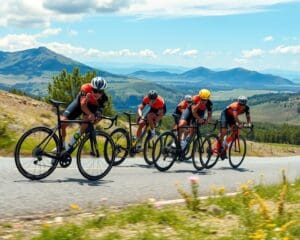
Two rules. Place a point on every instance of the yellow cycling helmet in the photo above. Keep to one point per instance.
(204, 94)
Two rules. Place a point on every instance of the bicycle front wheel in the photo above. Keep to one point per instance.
(33, 153)
(95, 159)
(149, 147)
(121, 140)
(237, 151)
(165, 151)
(210, 154)
(197, 154)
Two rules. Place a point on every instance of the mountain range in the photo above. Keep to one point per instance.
(31, 70)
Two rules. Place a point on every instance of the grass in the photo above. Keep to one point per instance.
(257, 212)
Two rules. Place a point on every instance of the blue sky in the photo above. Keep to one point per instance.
(216, 34)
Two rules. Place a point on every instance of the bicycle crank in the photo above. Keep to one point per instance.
(65, 160)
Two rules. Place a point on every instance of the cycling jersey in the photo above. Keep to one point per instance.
(74, 109)
(181, 107)
(236, 107)
(203, 105)
(227, 116)
(158, 104)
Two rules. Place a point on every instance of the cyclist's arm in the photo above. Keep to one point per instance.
(236, 118)
(84, 103)
(140, 110)
(194, 112)
(209, 116)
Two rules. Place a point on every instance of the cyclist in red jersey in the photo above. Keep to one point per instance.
(229, 117)
(184, 104)
(89, 102)
(195, 112)
(154, 115)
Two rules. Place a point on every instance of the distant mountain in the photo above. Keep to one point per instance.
(31, 70)
(220, 80)
(37, 62)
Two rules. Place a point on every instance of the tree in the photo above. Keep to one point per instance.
(65, 87)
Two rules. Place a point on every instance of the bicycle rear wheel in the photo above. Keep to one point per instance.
(33, 153)
(149, 147)
(237, 151)
(165, 151)
(121, 140)
(210, 150)
(95, 160)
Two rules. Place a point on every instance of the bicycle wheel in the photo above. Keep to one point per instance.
(165, 151)
(210, 151)
(237, 151)
(120, 138)
(148, 148)
(94, 161)
(197, 153)
(188, 152)
(33, 153)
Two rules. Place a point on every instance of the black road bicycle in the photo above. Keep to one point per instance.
(167, 148)
(125, 143)
(40, 149)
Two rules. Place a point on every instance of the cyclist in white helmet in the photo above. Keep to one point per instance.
(89, 101)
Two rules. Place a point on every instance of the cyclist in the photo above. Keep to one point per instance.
(181, 107)
(195, 112)
(154, 115)
(90, 102)
(229, 117)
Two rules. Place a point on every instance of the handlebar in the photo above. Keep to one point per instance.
(113, 120)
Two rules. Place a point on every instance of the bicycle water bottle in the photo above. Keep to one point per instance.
(73, 140)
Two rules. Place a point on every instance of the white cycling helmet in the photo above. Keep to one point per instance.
(242, 100)
(188, 98)
(99, 83)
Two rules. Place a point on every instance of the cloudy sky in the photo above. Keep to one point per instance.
(211, 33)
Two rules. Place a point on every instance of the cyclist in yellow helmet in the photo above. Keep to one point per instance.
(195, 113)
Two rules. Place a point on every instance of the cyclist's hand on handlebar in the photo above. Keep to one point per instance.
(91, 117)
(249, 125)
(201, 121)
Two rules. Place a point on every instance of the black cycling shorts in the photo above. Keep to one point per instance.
(226, 120)
(187, 115)
(73, 111)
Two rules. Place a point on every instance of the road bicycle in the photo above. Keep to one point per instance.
(235, 147)
(167, 148)
(126, 144)
(40, 149)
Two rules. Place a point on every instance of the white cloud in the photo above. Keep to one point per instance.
(14, 42)
(252, 53)
(286, 50)
(268, 38)
(32, 13)
(190, 53)
(170, 51)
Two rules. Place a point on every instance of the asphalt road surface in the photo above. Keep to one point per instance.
(131, 182)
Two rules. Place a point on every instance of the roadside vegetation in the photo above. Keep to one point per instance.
(256, 212)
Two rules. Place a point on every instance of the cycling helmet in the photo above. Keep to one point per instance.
(242, 100)
(204, 94)
(152, 95)
(188, 98)
(99, 83)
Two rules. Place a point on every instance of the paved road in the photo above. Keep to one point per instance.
(131, 182)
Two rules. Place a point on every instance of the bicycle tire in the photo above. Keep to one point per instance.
(197, 149)
(236, 160)
(148, 148)
(35, 155)
(208, 146)
(163, 149)
(121, 140)
(106, 157)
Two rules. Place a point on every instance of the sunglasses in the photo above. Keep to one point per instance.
(97, 91)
